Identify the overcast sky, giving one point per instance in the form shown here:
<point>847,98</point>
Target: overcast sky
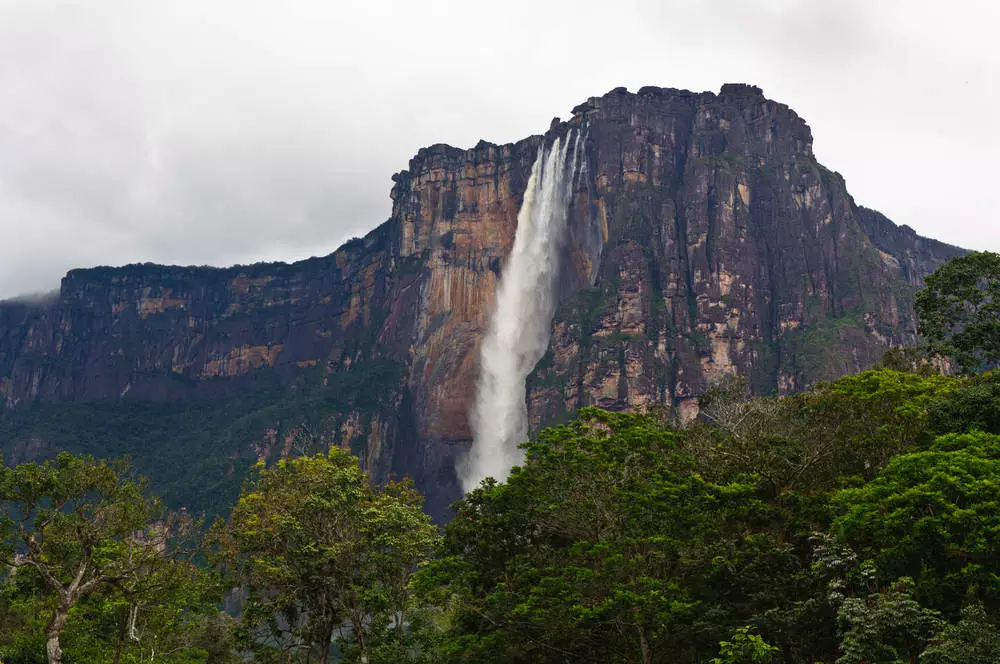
<point>222,131</point>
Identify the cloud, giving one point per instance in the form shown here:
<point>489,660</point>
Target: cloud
<point>229,131</point>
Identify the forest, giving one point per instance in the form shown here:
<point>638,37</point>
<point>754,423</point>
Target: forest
<point>856,522</point>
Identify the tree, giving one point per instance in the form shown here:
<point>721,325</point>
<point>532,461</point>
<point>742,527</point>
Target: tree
<point>807,442</point>
<point>959,311</point>
<point>973,640</point>
<point>887,626</point>
<point>172,617</point>
<point>933,516</point>
<point>865,419</point>
<point>82,525</point>
<point>24,607</point>
<point>909,359</point>
<point>974,407</point>
<point>316,546</point>
<point>745,648</point>
<point>597,550</point>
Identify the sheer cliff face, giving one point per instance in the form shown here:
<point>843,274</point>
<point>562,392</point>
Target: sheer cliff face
<point>704,239</point>
<point>155,332</point>
<point>728,249</point>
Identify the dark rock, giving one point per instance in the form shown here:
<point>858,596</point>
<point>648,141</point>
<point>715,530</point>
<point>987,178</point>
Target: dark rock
<point>705,240</point>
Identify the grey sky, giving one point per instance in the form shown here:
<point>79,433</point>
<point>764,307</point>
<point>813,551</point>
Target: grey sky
<point>221,131</point>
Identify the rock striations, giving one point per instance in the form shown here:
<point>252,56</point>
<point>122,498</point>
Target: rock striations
<point>704,239</point>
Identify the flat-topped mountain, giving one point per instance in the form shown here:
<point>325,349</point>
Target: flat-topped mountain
<point>703,238</point>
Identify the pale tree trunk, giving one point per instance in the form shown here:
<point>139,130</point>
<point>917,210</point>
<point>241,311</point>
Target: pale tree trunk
<point>68,596</point>
<point>647,653</point>
<point>401,619</point>
<point>53,653</point>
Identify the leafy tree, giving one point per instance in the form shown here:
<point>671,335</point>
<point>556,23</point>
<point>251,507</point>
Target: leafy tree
<point>595,551</point>
<point>82,525</point>
<point>730,406</point>
<point>933,516</point>
<point>174,619</point>
<point>888,626</point>
<point>743,435</point>
<point>744,648</point>
<point>316,546</point>
<point>973,407</point>
<point>973,640</point>
<point>865,419</point>
<point>909,359</point>
<point>808,442</point>
<point>24,607</point>
<point>959,311</point>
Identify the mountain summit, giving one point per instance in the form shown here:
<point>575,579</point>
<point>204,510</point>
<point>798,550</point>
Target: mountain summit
<point>702,238</point>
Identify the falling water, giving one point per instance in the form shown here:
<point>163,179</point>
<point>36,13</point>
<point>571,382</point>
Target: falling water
<point>520,326</point>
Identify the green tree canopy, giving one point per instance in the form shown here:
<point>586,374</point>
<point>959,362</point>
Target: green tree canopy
<point>974,639</point>
<point>959,311</point>
<point>597,550</point>
<point>745,647</point>
<point>974,407</point>
<point>887,626</point>
<point>933,516</point>
<point>81,527</point>
<point>316,547</point>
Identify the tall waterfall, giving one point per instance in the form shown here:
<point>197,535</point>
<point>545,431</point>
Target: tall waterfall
<point>520,326</point>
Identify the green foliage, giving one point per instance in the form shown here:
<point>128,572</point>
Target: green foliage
<point>959,311</point>
<point>745,647</point>
<point>90,550</point>
<point>833,521</point>
<point>177,621</point>
<point>24,609</point>
<point>913,359</point>
<point>196,452</point>
<point>597,550</point>
<point>974,407</point>
<point>809,442</point>
<point>888,626</point>
<point>874,415</point>
<point>933,516</point>
<point>317,547</point>
<point>973,640</point>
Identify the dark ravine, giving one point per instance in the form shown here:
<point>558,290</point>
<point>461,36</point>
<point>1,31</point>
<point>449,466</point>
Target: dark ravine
<point>705,239</point>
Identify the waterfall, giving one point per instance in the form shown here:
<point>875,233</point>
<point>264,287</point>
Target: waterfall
<point>519,328</point>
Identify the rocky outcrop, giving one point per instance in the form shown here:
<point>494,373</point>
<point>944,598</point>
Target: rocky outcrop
<point>704,240</point>
<point>905,253</point>
<point>155,332</point>
<point>729,249</point>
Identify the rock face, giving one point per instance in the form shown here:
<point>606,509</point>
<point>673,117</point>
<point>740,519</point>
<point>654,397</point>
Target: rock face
<point>905,253</point>
<point>705,239</point>
<point>728,249</point>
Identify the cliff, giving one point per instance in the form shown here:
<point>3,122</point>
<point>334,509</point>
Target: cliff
<point>704,240</point>
<point>908,255</point>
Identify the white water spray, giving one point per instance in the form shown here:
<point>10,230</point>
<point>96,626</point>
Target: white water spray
<point>520,327</point>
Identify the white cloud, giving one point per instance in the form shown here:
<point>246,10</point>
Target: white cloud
<point>232,130</point>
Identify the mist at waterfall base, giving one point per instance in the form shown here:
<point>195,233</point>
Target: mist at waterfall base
<point>521,322</point>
